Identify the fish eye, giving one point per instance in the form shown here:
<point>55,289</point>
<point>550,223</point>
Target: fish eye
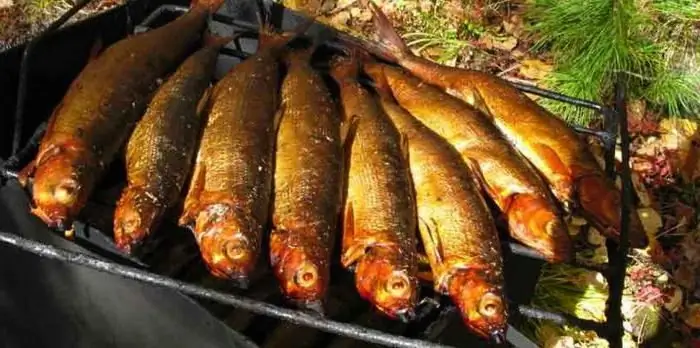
<point>306,275</point>
<point>66,191</point>
<point>235,249</point>
<point>489,305</point>
<point>398,284</point>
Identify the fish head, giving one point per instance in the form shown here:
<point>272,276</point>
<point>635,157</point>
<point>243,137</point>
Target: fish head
<point>391,288</point>
<point>481,302</point>
<point>303,275</point>
<point>226,240</point>
<point>136,215</point>
<point>59,188</point>
<point>534,221</point>
<point>600,202</point>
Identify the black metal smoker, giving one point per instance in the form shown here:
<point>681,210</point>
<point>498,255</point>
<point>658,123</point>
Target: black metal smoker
<point>193,326</point>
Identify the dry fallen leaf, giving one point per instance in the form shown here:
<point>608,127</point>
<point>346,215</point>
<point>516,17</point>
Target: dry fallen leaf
<point>691,315</point>
<point>684,276</point>
<point>6,3</point>
<point>340,20</point>
<point>505,43</point>
<point>675,300</point>
<point>513,25</point>
<point>535,69</point>
<point>651,221</point>
<point>681,135</point>
<point>560,342</point>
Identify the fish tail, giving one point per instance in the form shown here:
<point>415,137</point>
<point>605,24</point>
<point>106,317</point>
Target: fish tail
<point>210,6</point>
<point>375,72</point>
<point>268,36</point>
<point>534,221</point>
<point>305,54</point>
<point>345,67</point>
<point>302,55</point>
<point>600,203</point>
<point>390,46</point>
<point>213,40</point>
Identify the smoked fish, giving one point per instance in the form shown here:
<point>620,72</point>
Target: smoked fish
<point>160,151</point>
<point>307,184</point>
<point>546,141</point>
<point>455,224</point>
<point>516,188</point>
<point>99,111</point>
<point>379,214</point>
<point>228,201</point>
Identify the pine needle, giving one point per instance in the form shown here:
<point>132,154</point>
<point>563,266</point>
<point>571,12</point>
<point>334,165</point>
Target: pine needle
<point>594,40</point>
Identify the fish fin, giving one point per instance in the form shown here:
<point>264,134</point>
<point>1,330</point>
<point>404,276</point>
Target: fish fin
<point>431,239</point>
<point>405,154</point>
<point>352,250</point>
<point>210,6</point>
<point>203,103</point>
<point>270,39</point>
<point>348,131</point>
<point>381,85</point>
<point>477,175</point>
<point>96,49</point>
<point>213,40</point>
<point>277,120</point>
<point>26,172</point>
<point>343,68</point>
<point>562,186</point>
<point>389,45</point>
<point>193,194</point>
<point>425,276</point>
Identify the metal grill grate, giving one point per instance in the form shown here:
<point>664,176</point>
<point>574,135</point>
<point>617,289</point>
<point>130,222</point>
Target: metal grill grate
<point>614,119</point>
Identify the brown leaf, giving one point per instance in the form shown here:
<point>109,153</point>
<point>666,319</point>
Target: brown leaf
<point>535,69</point>
<point>684,277</point>
<point>651,221</point>
<point>691,316</point>
<point>684,137</point>
<point>340,19</point>
<point>636,109</point>
<point>513,25</point>
<point>505,43</point>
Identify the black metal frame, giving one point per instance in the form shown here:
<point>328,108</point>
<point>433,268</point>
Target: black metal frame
<point>614,120</point>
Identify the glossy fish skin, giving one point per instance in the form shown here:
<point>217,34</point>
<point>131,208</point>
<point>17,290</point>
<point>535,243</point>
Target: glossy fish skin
<point>456,226</point>
<point>99,110</point>
<point>228,200</point>
<point>545,140</point>
<point>379,216</point>
<point>307,198</point>
<point>515,187</point>
<point>160,151</point>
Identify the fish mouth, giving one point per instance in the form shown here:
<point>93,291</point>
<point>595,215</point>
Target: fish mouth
<point>55,218</point>
<point>405,315</point>
<point>315,307</point>
<point>498,336</point>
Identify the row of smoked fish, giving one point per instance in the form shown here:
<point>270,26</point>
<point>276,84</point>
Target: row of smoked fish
<point>410,159</point>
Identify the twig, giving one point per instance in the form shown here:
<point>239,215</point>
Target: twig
<point>509,69</point>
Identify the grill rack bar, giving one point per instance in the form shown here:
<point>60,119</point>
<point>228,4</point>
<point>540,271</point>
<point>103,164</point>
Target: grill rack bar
<point>614,119</point>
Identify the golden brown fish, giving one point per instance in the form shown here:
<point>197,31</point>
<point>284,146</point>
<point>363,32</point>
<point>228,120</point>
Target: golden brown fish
<point>379,215</point>
<point>308,183</point>
<point>545,140</point>
<point>99,110</point>
<point>458,232</point>
<point>515,187</point>
<point>228,201</point>
<point>160,150</point>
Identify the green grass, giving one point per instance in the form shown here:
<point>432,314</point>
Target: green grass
<point>593,41</point>
<point>433,29</point>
